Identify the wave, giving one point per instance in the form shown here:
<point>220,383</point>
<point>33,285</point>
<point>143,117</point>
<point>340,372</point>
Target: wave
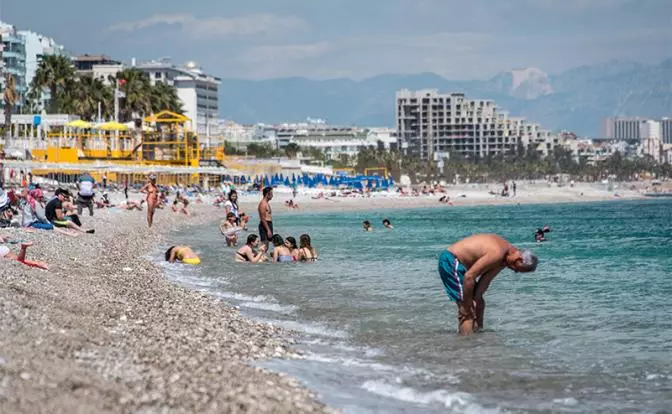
<point>273,307</point>
<point>455,401</point>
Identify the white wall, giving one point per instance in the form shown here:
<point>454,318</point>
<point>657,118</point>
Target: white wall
<point>186,91</point>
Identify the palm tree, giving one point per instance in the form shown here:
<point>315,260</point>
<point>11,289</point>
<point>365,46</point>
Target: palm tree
<point>53,73</point>
<point>164,97</point>
<point>10,97</point>
<point>83,97</point>
<point>138,90</point>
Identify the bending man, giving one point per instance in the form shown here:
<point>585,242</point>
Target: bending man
<point>468,267</point>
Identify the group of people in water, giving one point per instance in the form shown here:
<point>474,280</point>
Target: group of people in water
<point>366,224</point>
<point>466,268</point>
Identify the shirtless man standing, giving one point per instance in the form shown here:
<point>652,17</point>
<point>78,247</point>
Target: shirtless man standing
<point>152,192</point>
<point>468,267</point>
<point>265,216</point>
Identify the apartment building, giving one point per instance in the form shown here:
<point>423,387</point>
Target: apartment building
<point>197,90</point>
<point>435,125</point>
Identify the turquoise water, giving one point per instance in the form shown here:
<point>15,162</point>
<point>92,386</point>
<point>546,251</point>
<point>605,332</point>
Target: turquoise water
<point>590,331</point>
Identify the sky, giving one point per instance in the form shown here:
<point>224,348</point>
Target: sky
<point>319,39</point>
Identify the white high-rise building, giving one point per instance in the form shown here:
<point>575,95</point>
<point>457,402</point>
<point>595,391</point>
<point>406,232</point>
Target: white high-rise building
<point>198,92</point>
<point>37,46</point>
<point>666,130</point>
<point>435,125</point>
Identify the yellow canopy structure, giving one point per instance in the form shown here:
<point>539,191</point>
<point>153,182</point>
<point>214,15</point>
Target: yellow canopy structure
<point>112,126</point>
<point>78,124</point>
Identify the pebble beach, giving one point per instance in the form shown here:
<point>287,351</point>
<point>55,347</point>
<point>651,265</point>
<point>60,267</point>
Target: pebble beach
<point>104,331</point>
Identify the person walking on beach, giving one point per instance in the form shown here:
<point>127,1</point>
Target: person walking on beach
<point>265,216</point>
<point>152,192</point>
<point>467,268</point>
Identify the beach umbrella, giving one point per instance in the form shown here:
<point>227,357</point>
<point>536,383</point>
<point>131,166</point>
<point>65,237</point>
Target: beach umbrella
<point>266,182</point>
<point>78,124</point>
<point>112,126</point>
<point>293,178</point>
<point>287,183</point>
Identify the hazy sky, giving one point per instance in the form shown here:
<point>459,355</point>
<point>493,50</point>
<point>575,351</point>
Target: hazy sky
<point>459,39</point>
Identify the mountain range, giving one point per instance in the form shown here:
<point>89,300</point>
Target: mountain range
<point>576,100</point>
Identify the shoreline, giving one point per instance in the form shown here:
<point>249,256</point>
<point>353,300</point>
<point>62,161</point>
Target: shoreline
<point>105,331</point>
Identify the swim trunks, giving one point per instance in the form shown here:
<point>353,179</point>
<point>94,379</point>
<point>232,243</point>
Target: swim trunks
<point>193,261</point>
<point>59,223</point>
<point>262,231</point>
<point>452,274</point>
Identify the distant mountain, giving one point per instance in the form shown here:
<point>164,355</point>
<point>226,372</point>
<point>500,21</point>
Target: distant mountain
<point>576,99</point>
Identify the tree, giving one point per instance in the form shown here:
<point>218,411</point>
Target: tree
<point>164,97</point>
<point>136,85</point>
<point>83,96</point>
<point>10,98</point>
<point>53,73</point>
<point>292,149</point>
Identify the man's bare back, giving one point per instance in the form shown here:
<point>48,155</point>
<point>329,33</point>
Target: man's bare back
<point>472,248</point>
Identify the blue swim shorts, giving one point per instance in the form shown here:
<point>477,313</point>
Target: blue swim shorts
<point>452,274</point>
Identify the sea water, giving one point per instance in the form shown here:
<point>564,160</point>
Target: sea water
<point>589,331</point>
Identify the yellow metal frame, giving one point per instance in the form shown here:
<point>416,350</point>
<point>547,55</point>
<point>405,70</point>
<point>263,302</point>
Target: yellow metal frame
<point>383,169</point>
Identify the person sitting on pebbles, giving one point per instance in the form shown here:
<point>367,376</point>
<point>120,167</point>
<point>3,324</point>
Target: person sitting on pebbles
<point>183,254</point>
<point>5,253</point>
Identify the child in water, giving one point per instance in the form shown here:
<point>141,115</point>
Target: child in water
<point>387,224</point>
<point>367,225</point>
<point>230,230</point>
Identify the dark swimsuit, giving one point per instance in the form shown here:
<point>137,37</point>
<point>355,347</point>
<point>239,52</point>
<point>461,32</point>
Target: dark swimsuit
<point>243,256</point>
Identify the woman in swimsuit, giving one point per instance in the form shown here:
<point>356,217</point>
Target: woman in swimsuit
<point>281,253</point>
<point>152,192</point>
<point>247,254</point>
<point>182,253</point>
<point>307,253</point>
<point>290,243</point>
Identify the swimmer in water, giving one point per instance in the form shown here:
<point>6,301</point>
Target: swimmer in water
<point>366,224</point>
<point>467,268</point>
<point>247,253</point>
<point>183,254</point>
<point>539,235</point>
<point>387,224</point>
<point>281,253</point>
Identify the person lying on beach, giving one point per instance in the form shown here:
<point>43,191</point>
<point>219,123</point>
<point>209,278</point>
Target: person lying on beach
<point>366,224</point>
<point>387,224</point>
<point>467,268</point>
<point>104,202</point>
<point>281,254</point>
<point>182,209</point>
<point>290,243</point>
<point>131,205</point>
<point>54,212</point>
<point>230,230</point>
<point>183,254</point>
<point>5,253</point>
<point>307,253</point>
<point>247,253</point>
<point>446,200</point>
